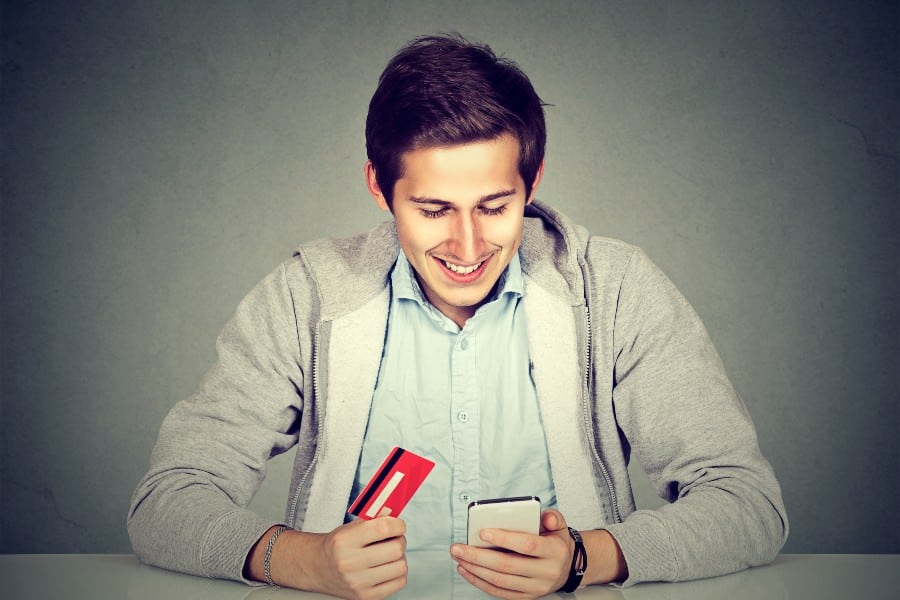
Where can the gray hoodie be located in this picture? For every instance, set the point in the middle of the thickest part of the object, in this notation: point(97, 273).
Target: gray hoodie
point(622, 366)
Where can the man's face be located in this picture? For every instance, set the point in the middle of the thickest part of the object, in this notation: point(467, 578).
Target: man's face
point(459, 216)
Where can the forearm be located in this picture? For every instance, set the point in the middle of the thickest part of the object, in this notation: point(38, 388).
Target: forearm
point(703, 534)
point(197, 531)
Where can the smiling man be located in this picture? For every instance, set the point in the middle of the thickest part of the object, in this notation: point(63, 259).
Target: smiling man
point(459, 212)
point(479, 328)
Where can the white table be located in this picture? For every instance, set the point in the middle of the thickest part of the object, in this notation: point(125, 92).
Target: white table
point(431, 575)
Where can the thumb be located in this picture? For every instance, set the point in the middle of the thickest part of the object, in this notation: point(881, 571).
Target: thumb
point(552, 520)
point(384, 512)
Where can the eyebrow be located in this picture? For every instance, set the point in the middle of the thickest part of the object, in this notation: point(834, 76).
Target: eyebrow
point(488, 198)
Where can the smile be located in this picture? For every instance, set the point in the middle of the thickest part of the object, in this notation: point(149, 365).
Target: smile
point(460, 269)
point(463, 274)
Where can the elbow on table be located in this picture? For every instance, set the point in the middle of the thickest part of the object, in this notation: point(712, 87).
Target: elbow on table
point(138, 533)
point(773, 534)
point(144, 530)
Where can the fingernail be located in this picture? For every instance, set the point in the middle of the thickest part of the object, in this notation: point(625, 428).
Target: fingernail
point(487, 536)
point(456, 551)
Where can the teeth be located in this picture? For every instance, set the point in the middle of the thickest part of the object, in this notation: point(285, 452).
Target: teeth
point(461, 270)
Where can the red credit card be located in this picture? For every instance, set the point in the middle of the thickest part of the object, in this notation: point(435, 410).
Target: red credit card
point(393, 484)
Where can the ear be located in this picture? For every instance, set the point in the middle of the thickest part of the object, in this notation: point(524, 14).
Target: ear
point(537, 182)
point(374, 188)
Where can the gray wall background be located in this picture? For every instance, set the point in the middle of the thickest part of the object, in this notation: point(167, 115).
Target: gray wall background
point(159, 158)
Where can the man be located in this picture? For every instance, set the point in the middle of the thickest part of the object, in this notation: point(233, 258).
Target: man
point(481, 329)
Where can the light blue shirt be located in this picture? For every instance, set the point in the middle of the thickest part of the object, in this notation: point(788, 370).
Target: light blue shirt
point(463, 398)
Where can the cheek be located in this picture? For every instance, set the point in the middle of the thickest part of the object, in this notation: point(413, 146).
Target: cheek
point(506, 234)
point(418, 237)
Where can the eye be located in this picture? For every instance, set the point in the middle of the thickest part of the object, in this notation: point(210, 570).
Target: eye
point(434, 214)
point(493, 211)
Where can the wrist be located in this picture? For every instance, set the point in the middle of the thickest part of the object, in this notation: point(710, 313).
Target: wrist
point(606, 563)
point(578, 565)
point(254, 565)
point(270, 547)
point(291, 559)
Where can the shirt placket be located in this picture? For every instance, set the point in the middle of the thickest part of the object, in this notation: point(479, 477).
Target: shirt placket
point(465, 425)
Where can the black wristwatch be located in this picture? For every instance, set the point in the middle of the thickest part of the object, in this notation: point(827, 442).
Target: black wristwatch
point(579, 564)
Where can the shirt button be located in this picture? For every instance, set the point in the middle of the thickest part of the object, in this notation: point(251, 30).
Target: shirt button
point(463, 416)
point(464, 345)
point(464, 497)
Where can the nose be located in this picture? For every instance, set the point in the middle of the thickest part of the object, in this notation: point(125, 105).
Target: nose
point(465, 237)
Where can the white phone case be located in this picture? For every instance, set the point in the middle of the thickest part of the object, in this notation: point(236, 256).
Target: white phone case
point(516, 514)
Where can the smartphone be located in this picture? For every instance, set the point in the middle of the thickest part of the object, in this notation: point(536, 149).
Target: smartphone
point(522, 513)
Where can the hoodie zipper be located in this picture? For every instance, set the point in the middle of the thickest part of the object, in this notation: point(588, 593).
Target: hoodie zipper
point(586, 413)
point(292, 519)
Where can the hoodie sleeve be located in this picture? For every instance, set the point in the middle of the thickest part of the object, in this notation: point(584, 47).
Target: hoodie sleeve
point(189, 511)
point(693, 436)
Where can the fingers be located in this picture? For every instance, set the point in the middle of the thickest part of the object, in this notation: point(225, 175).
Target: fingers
point(378, 575)
point(526, 544)
point(388, 588)
point(352, 550)
point(552, 520)
point(372, 583)
point(523, 564)
point(365, 559)
point(378, 529)
point(497, 561)
point(501, 585)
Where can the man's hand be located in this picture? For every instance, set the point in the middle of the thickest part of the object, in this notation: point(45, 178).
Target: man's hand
point(358, 560)
point(535, 566)
point(538, 565)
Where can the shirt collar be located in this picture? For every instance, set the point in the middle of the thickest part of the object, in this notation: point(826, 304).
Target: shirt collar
point(405, 285)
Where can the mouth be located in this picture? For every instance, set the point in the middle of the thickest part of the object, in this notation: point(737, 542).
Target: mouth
point(463, 273)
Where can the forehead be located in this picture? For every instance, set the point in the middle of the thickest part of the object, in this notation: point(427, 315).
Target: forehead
point(487, 162)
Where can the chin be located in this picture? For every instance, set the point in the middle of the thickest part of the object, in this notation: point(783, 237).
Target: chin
point(470, 301)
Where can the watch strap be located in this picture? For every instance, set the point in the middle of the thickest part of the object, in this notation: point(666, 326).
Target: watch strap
point(579, 564)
